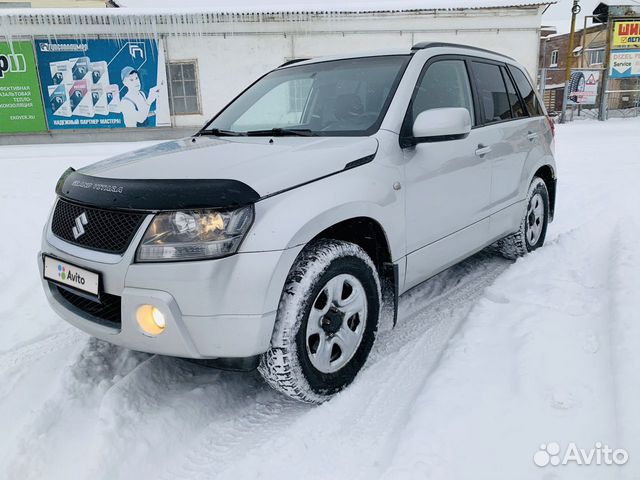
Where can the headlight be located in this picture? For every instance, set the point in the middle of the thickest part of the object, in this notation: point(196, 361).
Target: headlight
point(194, 234)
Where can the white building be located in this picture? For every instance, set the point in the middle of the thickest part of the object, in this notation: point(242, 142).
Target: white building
point(213, 51)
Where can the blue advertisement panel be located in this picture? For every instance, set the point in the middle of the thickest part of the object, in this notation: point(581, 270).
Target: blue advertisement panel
point(625, 64)
point(104, 83)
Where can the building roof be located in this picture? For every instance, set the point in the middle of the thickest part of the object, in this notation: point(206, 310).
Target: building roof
point(328, 6)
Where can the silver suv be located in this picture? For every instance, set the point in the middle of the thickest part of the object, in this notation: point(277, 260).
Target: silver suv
point(276, 236)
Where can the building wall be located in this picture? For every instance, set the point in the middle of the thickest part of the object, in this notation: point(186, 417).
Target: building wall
point(230, 53)
point(595, 37)
point(53, 3)
point(227, 64)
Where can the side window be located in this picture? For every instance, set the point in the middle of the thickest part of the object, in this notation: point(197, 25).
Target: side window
point(517, 109)
point(526, 92)
point(444, 85)
point(491, 92)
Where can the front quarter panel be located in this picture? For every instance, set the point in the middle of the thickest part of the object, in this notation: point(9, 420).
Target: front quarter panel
point(295, 217)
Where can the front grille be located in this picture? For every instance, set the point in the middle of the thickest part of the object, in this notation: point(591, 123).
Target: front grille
point(107, 312)
point(105, 230)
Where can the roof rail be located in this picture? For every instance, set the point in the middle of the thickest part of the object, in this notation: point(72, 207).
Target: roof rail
point(424, 45)
point(291, 62)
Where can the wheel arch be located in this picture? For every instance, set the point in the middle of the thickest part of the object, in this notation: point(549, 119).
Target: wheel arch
point(365, 232)
point(548, 175)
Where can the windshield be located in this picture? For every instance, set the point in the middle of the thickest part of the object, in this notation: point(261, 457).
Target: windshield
point(341, 97)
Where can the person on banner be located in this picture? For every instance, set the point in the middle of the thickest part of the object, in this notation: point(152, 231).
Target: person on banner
point(135, 106)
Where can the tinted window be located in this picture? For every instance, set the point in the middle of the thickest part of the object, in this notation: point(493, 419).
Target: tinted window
point(526, 91)
point(517, 109)
point(444, 85)
point(492, 92)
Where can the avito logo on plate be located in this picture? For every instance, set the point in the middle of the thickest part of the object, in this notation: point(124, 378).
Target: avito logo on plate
point(67, 274)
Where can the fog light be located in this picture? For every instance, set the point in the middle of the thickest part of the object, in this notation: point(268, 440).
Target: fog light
point(150, 319)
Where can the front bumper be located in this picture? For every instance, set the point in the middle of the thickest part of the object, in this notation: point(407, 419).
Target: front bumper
point(223, 308)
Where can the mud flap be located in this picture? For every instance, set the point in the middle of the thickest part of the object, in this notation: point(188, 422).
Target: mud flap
point(390, 287)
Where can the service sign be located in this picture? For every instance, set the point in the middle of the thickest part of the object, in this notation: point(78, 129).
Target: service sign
point(21, 107)
point(626, 34)
point(104, 83)
point(625, 64)
point(583, 87)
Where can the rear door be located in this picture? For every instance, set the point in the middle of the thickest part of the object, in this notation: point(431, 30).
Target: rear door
point(538, 133)
point(510, 136)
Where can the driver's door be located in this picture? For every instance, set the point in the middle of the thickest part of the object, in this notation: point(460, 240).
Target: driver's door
point(448, 183)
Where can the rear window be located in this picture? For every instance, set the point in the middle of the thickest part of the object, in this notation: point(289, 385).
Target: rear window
point(492, 92)
point(527, 92)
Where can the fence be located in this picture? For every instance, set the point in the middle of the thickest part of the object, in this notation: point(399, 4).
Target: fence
point(622, 97)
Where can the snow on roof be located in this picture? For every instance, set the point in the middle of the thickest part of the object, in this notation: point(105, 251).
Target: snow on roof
point(324, 6)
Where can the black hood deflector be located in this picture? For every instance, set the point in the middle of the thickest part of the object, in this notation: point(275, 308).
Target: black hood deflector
point(154, 195)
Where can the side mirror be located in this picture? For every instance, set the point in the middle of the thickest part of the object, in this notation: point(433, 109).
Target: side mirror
point(440, 124)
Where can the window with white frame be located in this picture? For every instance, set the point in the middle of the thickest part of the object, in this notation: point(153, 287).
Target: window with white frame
point(596, 57)
point(185, 98)
point(554, 58)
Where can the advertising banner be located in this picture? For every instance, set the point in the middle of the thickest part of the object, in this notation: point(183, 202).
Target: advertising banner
point(21, 107)
point(625, 64)
point(626, 35)
point(583, 88)
point(103, 83)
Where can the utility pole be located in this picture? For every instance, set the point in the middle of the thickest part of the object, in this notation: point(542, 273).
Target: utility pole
point(604, 78)
point(575, 10)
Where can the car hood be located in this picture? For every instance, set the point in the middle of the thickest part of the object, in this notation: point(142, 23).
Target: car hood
point(267, 165)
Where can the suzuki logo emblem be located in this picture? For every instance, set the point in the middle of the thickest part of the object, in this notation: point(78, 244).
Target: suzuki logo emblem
point(81, 221)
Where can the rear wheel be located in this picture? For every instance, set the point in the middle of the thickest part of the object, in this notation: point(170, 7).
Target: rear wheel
point(533, 228)
point(326, 322)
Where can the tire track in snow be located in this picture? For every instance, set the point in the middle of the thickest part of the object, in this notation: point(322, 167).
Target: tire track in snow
point(265, 433)
point(171, 398)
point(198, 422)
point(24, 355)
point(62, 424)
point(624, 337)
point(545, 367)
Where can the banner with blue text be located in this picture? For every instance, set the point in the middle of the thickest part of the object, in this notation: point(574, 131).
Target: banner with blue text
point(104, 83)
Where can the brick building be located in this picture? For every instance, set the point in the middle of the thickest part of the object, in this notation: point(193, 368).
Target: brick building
point(589, 52)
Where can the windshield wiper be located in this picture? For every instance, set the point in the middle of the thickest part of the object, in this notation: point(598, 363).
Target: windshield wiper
point(281, 132)
point(221, 133)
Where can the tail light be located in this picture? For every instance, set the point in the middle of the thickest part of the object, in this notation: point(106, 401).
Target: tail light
point(552, 125)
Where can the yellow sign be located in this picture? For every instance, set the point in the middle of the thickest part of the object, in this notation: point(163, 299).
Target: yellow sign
point(626, 34)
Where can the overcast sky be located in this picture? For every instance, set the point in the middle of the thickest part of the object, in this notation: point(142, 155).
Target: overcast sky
point(559, 15)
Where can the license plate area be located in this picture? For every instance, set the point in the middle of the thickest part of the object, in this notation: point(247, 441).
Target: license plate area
point(77, 279)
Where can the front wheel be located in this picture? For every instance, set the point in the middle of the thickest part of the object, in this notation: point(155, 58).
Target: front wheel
point(326, 322)
point(533, 228)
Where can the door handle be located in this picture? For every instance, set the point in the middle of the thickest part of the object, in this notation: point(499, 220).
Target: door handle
point(483, 150)
point(532, 136)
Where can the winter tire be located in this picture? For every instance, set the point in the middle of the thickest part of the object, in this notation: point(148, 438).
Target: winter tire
point(533, 228)
point(326, 322)
point(578, 84)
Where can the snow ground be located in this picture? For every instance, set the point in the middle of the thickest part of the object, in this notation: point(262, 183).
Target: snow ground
point(489, 360)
